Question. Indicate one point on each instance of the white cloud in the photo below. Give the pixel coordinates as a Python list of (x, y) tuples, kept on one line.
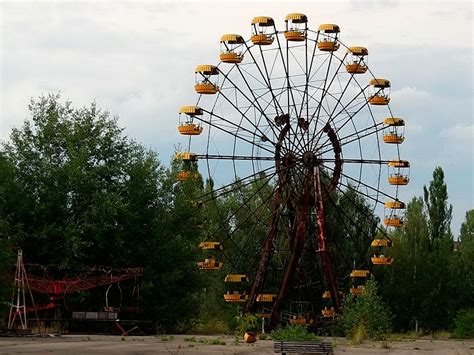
[(137, 61), (461, 134), (411, 96)]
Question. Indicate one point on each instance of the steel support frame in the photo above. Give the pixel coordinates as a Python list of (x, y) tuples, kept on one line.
[(323, 249)]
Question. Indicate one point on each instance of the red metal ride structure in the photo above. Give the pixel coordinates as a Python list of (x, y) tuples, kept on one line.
[(94, 278)]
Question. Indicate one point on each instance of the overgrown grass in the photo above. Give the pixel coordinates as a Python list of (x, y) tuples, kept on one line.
[(210, 327), (166, 337), (409, 336), (294, 333), (215, 341), (358, 334), (443, 335)]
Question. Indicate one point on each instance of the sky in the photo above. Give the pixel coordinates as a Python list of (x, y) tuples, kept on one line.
[(137, 59)]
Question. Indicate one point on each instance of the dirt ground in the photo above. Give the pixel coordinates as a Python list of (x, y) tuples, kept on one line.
[(187, 344)]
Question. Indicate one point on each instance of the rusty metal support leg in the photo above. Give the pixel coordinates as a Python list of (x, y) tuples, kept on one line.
[(322, 243), (266, 255), (301, 221)]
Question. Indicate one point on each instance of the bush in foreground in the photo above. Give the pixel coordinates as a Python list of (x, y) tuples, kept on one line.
[(464, 324), (294, 333), (366, 316)]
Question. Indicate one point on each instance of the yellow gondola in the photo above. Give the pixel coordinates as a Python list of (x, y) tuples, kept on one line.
[(396, 205), (358, 277), (328, 37), (398, 172), (379, 245), (236, 278), (393, 221), (261, 30), (190, 129), (398, 179), (296, 27), (393, 138), (266, 297), (206, 79), (301, 320), (381, 260), (209, 264), (232, 48), (187, 126), (328, 312), (186, 156), (235, 297), (186, 175), (357, 291), (380, 92), (395, 134), (359, 273), (209, 245), (357, 62)]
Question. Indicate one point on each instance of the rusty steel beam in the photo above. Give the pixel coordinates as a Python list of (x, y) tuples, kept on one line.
[(267, 252), (301, 222), (322, 243)]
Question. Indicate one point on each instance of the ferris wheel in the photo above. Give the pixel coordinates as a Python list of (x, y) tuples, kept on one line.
[(291, 119)]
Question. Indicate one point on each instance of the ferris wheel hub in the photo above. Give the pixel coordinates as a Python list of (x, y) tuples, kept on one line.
[(309, 159)]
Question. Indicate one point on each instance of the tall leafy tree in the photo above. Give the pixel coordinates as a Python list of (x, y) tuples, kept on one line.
[(406, 286), (467, 228), (79, 173), (8, 232), (439, 212), (463, 265), (424, 282), (87, 195)]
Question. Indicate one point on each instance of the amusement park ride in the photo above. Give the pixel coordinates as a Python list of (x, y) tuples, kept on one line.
[(26, 284), (301, 114)]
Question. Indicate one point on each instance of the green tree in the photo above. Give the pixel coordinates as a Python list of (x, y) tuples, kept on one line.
[(87, 195), (406, 285), (462, 265), (436, 201), (8, 232), (426, 274), (366, 312), (77, 171), (467, 228)]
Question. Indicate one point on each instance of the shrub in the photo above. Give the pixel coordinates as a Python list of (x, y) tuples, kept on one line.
[(365, 316), (294, 333), (247, 323), (464, 324)]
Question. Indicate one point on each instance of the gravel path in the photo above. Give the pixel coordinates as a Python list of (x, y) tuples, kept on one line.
[(186, 344)]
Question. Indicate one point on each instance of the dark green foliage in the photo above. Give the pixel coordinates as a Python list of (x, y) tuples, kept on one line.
[(8, 231), (76, 192), (248, 323), (436, 202), (367, 312), (6, 267), (89, 191), (85, 195), (294, 333), (467, 228), (430, 280), (464, 324)]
